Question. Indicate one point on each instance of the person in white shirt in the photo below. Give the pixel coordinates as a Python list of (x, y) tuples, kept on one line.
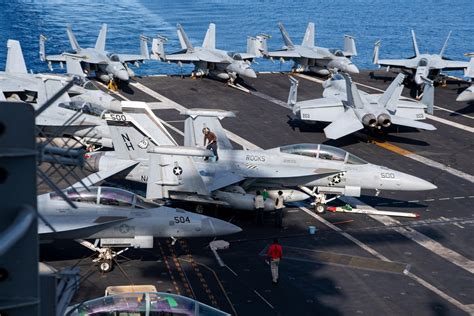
[(259, 204)]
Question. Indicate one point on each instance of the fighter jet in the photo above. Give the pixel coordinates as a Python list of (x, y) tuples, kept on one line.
[(118, 218), (16, 84), (207, 59), (351, 110), (421, 65), (181, 173), (308, 57), (468, 94), (107, 66)]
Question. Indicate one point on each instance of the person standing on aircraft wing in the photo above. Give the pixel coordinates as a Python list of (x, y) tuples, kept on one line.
[(274, 254), (279, 206), (259, 207), (211, 139)]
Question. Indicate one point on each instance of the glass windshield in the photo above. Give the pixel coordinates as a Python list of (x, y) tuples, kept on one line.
[(114, 58), (80, 106), (423, 62), (78, 195), (89, 86), (139, 303), (116, 196), (322, 152), (336, 52)]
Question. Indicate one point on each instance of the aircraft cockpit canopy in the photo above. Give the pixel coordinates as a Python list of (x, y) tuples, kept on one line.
[(325, 152), (84, 107), (114, 57), (146, 303), (106, 196), (336, 52), (235, 56), (423, 62)]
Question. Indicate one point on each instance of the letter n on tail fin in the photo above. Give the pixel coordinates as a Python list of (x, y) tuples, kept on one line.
[(15, 61)]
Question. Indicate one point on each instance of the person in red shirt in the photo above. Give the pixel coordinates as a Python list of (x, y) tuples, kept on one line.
[(274, 255)]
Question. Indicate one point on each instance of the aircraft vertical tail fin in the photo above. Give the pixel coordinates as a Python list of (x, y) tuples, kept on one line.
[(135, 130), (72, 38), (293, 95), (428, 96), (469, 71), (210, 38), (144, 47), (42, 49), (390, 97), (308, 39), (415, 45), (441, 53), (286, 37), (375, 58), (100, 43), (198, 119), (353, 96), (349, 46), (15, 61), (257, 45), (158, 48), (183, 39)]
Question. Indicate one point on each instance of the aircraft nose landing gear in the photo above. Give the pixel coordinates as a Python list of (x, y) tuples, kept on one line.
[(105, 255)]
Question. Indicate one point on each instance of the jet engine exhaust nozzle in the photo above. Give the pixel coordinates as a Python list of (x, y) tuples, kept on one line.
[(384, 120), (369, 120)]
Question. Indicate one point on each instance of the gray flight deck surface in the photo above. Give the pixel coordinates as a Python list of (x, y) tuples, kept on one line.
[(332, 272)]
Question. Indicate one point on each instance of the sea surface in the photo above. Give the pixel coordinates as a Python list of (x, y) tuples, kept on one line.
[(367, 20)]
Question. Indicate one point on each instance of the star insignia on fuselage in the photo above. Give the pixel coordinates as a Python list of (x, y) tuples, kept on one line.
[(177, 171)]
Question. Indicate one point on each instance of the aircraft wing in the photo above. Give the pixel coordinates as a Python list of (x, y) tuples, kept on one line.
[(451, 64), (346, 124), (74, 227), (127, 58), (398, 120), (185, 58), (399, 63), (323, 109), (223, 179), (283, 54), (8, 83)]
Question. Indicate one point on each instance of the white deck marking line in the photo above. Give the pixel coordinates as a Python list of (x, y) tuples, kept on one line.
[(419, 238), (263, 299), (466, 308), (431, 117), (450, 299)]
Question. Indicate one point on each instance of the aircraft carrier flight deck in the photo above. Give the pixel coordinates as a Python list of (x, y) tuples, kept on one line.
[(354, 264)]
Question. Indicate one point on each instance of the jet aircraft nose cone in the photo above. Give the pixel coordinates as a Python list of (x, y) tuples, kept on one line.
[(249, 73), (466, 95), (412, 183), (217, 227), (351, 68), (122, 75)]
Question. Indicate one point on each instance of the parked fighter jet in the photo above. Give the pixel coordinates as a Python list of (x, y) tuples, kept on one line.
[(107, 66), (181, 173), (351, 110), (208, 60), (468, 94), (308, 57), (421, 65), (16, 84), (119, 218)]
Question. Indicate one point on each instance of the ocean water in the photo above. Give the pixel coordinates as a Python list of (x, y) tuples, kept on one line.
[(367, 20)]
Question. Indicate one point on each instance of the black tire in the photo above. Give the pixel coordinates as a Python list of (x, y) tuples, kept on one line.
[(320, 208), (105, 266)]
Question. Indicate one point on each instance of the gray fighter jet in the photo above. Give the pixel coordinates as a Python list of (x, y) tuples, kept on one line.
[(308, 57), (468, 94), (208, 60), (181, 173), (350, 110), (421, 65), (16, 84), (107, 66), (119, 218)]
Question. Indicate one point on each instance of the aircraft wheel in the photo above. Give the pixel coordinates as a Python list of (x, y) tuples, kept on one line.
[(105, 266), (320, 208), (199, 209)]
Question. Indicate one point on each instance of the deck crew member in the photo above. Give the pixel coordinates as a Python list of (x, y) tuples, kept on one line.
[(211, 140), (274, 255), (279, 206), (259, 204)]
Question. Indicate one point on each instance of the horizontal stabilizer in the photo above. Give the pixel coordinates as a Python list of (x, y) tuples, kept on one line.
[(398, 120), (15, 61), (346, 124)]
